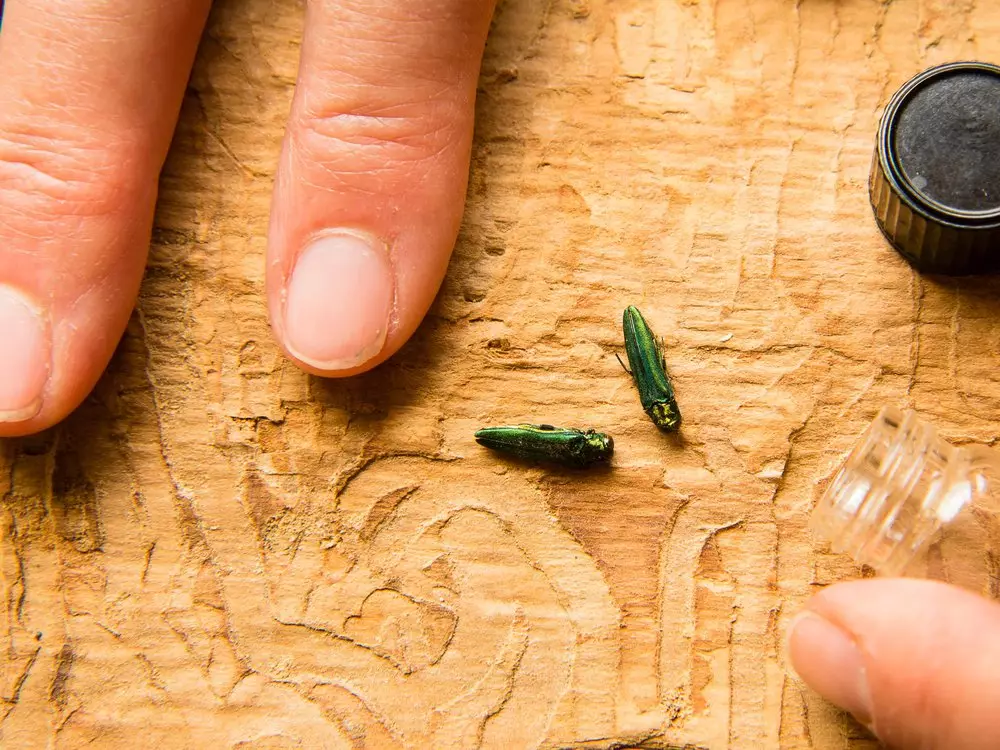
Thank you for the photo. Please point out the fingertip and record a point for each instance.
(25, 356)
(88, 101)
(78, 337)
(377, 151)
(923, 655)
(827, 658)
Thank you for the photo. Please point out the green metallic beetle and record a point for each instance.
(649, 370)
(543, 442)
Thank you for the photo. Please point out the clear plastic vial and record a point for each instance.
(906, 502)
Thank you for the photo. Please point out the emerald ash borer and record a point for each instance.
(649, 371)
(543, 442)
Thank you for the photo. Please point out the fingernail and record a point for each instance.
(827, 659)
(25, 356)
(338, 301)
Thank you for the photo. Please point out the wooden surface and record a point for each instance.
(219, 551)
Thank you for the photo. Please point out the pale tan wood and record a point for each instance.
(219, 551)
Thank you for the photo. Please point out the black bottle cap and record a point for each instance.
(935, 178)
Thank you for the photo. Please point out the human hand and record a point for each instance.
(918, 662)
(367, 202)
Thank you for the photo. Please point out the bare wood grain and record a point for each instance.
(219, 551)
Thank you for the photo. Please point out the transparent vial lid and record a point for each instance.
(907, 502)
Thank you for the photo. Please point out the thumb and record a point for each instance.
(916, 661)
